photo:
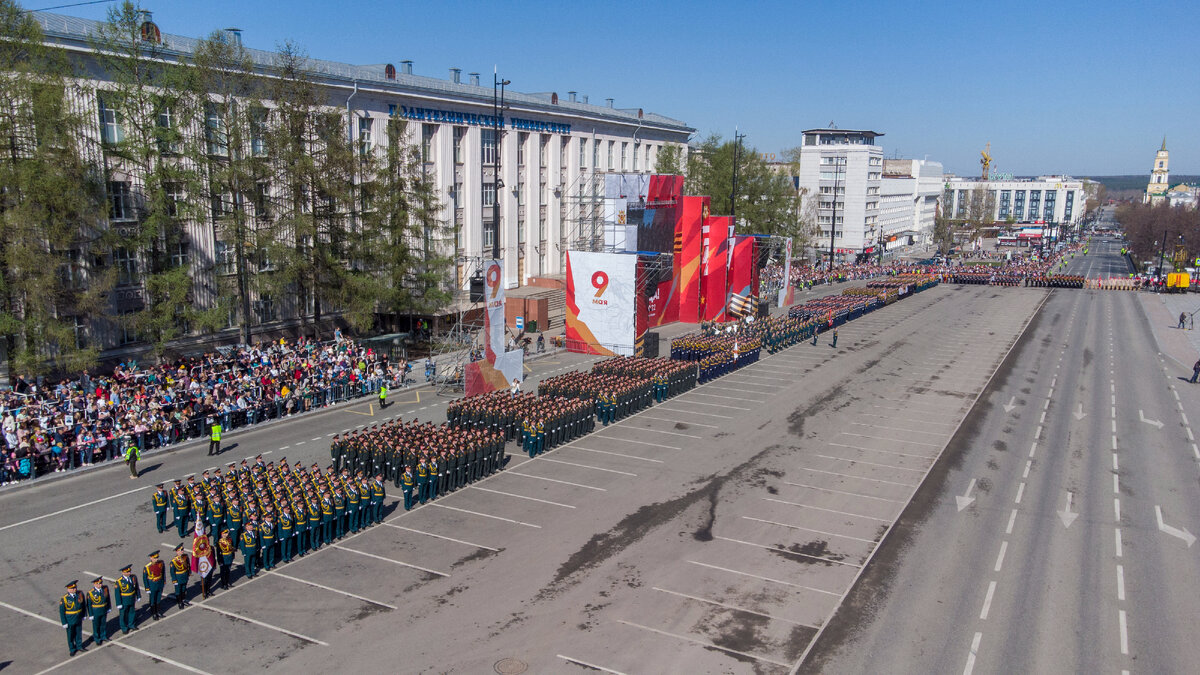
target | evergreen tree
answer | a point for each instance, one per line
(50, 207)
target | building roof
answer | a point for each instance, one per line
(861, 132)
(77, 32)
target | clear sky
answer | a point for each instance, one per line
(1075, 87)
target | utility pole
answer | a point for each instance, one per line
(837, 177)
(498, 126)
(737, 144)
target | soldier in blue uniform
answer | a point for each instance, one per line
(407, 483)
(378, 492)
(128, 593)
(70, 614)
(98, 603)
(249, 544)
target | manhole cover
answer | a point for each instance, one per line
(511, 666)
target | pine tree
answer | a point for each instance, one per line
(50, 207)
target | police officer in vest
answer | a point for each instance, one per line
(214, 438)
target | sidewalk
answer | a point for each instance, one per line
(1162, 313)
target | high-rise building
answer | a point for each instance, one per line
(843, 169)
(908, 203)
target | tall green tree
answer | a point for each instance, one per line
(146, 106)
(670, 160)
(51, 207)
(230, 151)
(767, 201)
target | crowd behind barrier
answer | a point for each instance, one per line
(51, 427)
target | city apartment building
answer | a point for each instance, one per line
(1057, 200)
(908, 205)
(843, 169)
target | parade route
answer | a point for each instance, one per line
(717, 531)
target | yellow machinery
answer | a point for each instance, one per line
(1180, 280)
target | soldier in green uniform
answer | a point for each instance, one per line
(249, 544)
(154, 576)
(422, 481)
(352, 502)
(70, 614)
(128, 593)
(180, 504)
(336, 450)
(159, 502)
(98, 603)
(225, 551)
(287, 532)
(314, 520)
(266, 541)
(339, 512)
(408, 482)
(326, 517)
(233, 517)
(378, 492)
(181, 569)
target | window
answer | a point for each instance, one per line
(610, 154)
(128, 332)
(636, 147)
(582, 152)
(543, 143)
(562, 153)
(366, 142)
(489, 194)
(214, 131)
(126, 263)
(624, 156)
(460, 134)
(79, 328)
(522, 141)
(181, 254)
(596, 154)
(489, 237)
(521, 192)
(646, 150)
(226, 258)
(262, 200)
(521, 234)
(120, 201)
(173, 196)
(111, 124)
(70, 270)
(167, 131)
(259, 117)
(487, 144)
(267, 311)
(428, 134)
(544, 194)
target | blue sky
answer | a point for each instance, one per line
(1076, 87)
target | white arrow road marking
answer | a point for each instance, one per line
(1153, 423)
(965, 500)
(1080, 414)
(1066, 515)
(1187, 537)
(1012, 403)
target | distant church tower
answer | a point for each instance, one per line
(1156, 189)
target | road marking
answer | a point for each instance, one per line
(731, 398)
(585, 664)
(298, 443)
(1033, 449)
(1183, 533)
(715, 405)
(821, 508)
(808, 529)
(892, 440)
(844, 492)
(742, 373)
(1012, 518)
(485, 515)
(510, 472)
(1124, 632)
(693, 412)
(442, 536)
(147, 488)
(971, 654)
(510, 494)
(694, 424)
(1046, 406)
(1117, 509)
(863, 461)
(1189, 433)
(1116, 484)
(328, 588)
(748, 391)
(733, 607)
(1000, 558)
(630, 440)
(265, 624)
(1117, 539)
(788, 552)
(657, 431)
(886, 452)
(987, 601)
(1028, 464)
(615, 454)
(1115, 462)
(846, 475)
(911, 431)
(1043, 419)
(705, 643)
(755, 576)
(586, 466)
(1020, 491)
(391, 560)
(1038, 433)
(1120, 583)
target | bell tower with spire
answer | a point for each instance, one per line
(1156, 189)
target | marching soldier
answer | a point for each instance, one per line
(180, 505)
(181, 569)
(159, 502)
(336, 450)
(249, 544)
(225, 552)
(154, 577)
(378, 492)
(287, 530)
(266, 541)
(70, 614)
(128, 594)
(98, 603)
(352, 501)
(422, 480)
(339, 513)
(407, 484)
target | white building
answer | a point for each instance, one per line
(550, 148)
(908, 202)
(844, 169)
(1056, 200)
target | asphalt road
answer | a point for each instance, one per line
(1059, 537)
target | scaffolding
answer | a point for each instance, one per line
(453, 350)
(583, 229)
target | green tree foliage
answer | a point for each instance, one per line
(51, 207)
(670, 160)
(1152, 230)
(767, 202)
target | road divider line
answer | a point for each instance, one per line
(386, 559)
(1000, 557)
(1124, 632)
(706, 643)
(586, 466)
(616, 454)
(844, 492)
(585, 664)
(694, 424)
(847, 475)
(987, 601)
(863, 461)
(970, 667)
(510, 472)
(808, 529)
(331, 589)
(264, 624)
(510, 494)
(1012, 519)
(693, 412)
(1020, 491)
(715, 405)
(1033, 449)
(442, 536)
(1120, 583)
(485, 515)
(69, 509)
(822, 508)
(886, 452)
(754, 576)
(1117, 542)
(733, 607)
(789, 552)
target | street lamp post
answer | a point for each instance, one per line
(737, 144)
(497, 108)
(837, 175)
